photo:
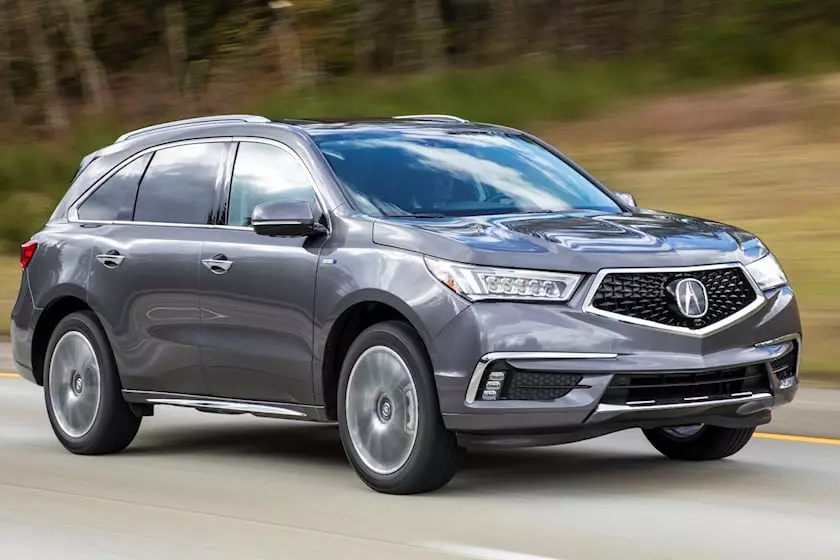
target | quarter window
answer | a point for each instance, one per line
(179, 184)
(114, 199)
(265, 173)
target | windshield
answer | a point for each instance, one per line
(439, 173)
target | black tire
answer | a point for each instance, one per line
(709, 444)
(436, 455)
(114, 424)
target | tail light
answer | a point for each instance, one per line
(27, 251)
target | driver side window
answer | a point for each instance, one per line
(265, 173)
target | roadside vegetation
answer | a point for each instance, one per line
(728, 109)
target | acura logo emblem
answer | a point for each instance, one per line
(692, 300)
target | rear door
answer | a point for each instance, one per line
(144, 273)
(258, 307)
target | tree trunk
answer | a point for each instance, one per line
(289, 55)
(176, 45)
(94, 80)
(7, 96)
(366, 13)
(429, 26)
(30, 12)
(505, 19)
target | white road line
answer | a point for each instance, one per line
(481, 553)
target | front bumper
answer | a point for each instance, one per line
(555, 339)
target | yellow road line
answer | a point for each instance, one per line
(800, 439)
(8, 374)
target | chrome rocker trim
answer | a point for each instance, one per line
(229, 406)
(487, 359)
(759, 301)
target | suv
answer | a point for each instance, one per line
(429, 283)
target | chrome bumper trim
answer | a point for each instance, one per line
(487, 359)
(780, 340)
(609, 408)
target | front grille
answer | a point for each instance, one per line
(645, 296)
(785, 367)
(674, 388)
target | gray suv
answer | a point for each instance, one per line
(429, 283)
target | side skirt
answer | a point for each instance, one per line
(218, 405)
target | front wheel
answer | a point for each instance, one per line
(389, 418)
(699, 443)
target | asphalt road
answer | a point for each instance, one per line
(202, 486)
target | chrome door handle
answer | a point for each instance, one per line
(111, 259)
(218, 264)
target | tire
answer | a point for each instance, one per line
(82, 389)
(388, 360)
(710, 443)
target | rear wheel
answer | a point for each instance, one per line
(699, 442)
(389, 418)
(82, 389)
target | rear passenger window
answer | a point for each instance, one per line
(178, 185)
(114, 199)
(265, 173)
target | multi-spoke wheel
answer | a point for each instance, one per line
(82, 389)
(699, 442)
(389, 417)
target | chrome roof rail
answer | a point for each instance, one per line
(449, 118)
(194, 121)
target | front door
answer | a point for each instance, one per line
(146, 244)
(257, 292)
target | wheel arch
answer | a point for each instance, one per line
(366, 309)
(58, 308)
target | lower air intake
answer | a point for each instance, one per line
(640, 389)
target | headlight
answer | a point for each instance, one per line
(480, 282)
(767, 273)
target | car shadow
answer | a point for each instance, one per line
(628, 468)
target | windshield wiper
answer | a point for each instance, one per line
(417, 215)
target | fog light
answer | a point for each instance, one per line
(497, 376)
(787, 382)
(491, 389)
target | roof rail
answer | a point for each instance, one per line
(193, 121)
(449, 118)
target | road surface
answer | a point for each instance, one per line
(203, 486)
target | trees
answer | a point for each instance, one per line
(31, 15)
(55, 51)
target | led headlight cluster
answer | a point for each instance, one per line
(480, 282)
(767, 273)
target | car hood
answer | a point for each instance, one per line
(581, 241)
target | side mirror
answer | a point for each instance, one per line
(285, 218)
(627, 199)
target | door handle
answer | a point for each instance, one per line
(218, 264)
(111, 259)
